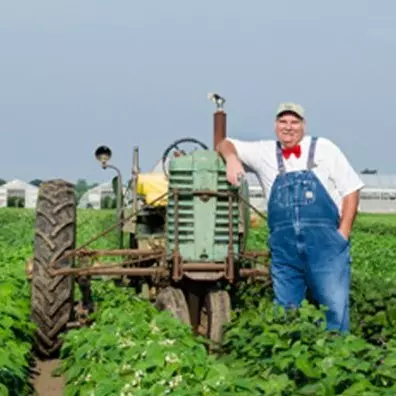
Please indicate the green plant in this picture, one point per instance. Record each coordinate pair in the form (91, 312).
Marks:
(291, 352)
(266, 350)
(134, 349)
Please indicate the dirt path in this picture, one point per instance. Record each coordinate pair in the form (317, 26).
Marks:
(45, 384)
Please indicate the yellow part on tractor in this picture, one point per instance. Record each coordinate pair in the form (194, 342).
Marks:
(152, 186)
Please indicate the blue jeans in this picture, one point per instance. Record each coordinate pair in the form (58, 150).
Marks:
(320, 261)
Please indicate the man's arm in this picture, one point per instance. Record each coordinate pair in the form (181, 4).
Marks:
(226, 149)
(234, 165)
(348, 184)
(350, 205)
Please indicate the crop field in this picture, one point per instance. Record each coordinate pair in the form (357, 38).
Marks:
(131, 349)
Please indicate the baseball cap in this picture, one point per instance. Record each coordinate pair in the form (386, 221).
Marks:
(290, 107)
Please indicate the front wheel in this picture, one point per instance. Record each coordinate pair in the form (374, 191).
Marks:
(215, 314)
(172, 299)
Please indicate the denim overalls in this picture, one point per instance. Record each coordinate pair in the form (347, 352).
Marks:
(306, 247)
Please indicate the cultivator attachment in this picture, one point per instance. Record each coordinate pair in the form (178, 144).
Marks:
(169, 266)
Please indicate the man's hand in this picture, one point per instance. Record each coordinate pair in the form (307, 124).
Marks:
(234, 170)
(344, 232)
(349, 210)
(233, 164)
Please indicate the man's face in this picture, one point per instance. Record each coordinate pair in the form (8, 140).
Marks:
(289, 129)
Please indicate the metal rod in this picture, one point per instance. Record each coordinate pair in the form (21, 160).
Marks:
(103, 233)
(252, 207)
(118, 252)
(252, 254)
(214, 193)
(177, 272)
(203, 267)
(157, 271)
(137, 260)
(119, 203)
(245, 272)
(134, 182)
(73, 325)
(230, 259)
(110, 271)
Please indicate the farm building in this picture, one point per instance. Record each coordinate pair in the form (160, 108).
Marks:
(17, 193)
(99, 197)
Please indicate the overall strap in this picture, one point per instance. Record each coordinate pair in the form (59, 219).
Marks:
(311, 153)
(279, 157)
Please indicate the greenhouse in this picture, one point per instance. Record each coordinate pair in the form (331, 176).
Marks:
(99, 197)
(17, 193)
(378, 194)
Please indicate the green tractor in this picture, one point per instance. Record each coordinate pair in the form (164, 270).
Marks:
(186, 230)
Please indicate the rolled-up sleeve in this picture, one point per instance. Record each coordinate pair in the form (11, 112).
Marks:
(344, 176)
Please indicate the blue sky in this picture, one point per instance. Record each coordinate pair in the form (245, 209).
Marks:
(77, 74)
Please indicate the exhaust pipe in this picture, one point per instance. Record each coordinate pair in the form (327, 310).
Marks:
(219, 119)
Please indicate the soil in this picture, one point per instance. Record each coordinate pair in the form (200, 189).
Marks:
(44, 381)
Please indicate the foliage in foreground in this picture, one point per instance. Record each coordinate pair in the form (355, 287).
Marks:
(16, 330)
(292, 353)
(263, 353)
(132, 349)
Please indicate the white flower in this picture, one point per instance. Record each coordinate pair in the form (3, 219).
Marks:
(139, 374)
(126, 387)
(175, 381)
(171, 358)
(154, 327)
(127, 343)
(167, 342)
(125, 367)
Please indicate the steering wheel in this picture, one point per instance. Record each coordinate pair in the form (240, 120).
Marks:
(179, 152)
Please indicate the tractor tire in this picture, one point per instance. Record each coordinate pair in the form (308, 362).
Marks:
(216, 312)
(172, 299)
(55, 232)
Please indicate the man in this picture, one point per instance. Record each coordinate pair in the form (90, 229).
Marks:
(313, 196)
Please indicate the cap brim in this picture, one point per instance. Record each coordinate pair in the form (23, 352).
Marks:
(281, 113)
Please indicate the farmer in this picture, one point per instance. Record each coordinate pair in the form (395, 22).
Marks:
(313, 196)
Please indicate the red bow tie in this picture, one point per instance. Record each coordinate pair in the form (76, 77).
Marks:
(287, 152)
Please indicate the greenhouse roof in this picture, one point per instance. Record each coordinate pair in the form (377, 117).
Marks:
(378, 181)
(17, 184)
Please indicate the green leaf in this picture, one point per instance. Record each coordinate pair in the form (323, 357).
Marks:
(304, 365)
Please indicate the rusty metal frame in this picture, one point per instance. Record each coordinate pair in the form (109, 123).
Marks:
(225, 269)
